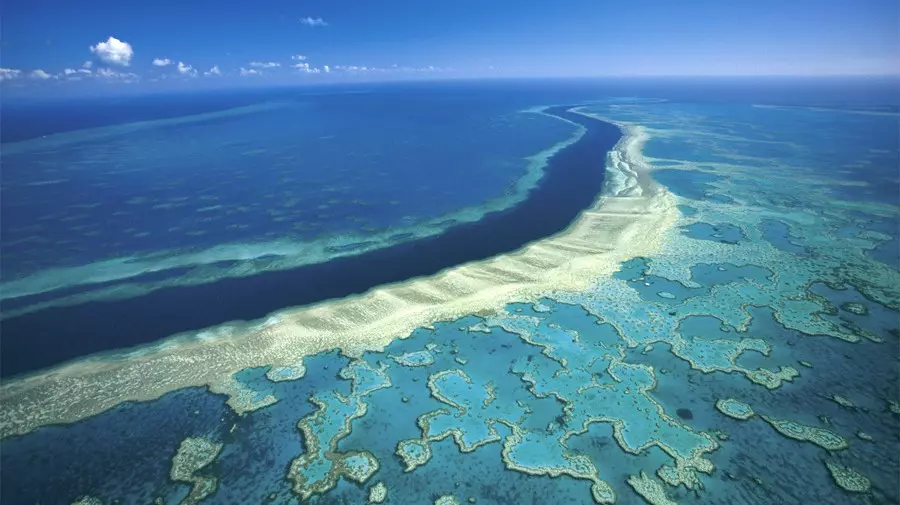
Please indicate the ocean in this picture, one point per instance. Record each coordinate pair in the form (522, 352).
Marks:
(496, 292)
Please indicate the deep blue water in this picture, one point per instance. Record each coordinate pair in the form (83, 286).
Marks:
(434, 113)
(288, 168)
(573, 180)
(32, 118)
(124, 454)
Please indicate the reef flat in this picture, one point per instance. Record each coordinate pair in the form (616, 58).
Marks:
(735, 408)
(193, 455)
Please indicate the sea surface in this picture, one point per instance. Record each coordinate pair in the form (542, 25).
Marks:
(752, 358)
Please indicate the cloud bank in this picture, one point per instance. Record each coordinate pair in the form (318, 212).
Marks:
(9, 73)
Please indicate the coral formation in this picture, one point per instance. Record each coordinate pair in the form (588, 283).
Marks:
(195, 454)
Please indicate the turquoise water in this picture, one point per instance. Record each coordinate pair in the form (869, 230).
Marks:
(775, 287)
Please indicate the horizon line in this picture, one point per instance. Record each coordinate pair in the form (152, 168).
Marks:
(128, 90)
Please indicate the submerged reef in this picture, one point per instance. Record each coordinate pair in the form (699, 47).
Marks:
(843, 402)
(286, 373)
(848, 478)
(773, 380)
(88, 500)
(582, 371)
(378, 493)
(194, 455)
(419, 358)
(636, 328)
(649, 489)
(735, 408)
(823, 438)
(320, 466)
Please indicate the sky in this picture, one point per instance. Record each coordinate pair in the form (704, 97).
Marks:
(57, 46)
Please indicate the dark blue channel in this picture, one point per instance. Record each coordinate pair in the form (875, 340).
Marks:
(574, 178)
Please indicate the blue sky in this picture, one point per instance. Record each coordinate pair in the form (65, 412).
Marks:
(281, 42)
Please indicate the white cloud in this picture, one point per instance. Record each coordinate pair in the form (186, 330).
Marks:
(264, 64)
(162, 62)
(114, 52)
(9, 73)
(304, 67)
(185, 69)
(87, 64)
(213, 71)
(313, 21)
(429, 68)
(39, 74)
(392, 68)
(112, 74)
(76, 74)
(327, 69)
(298, 57)
(250, 71)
